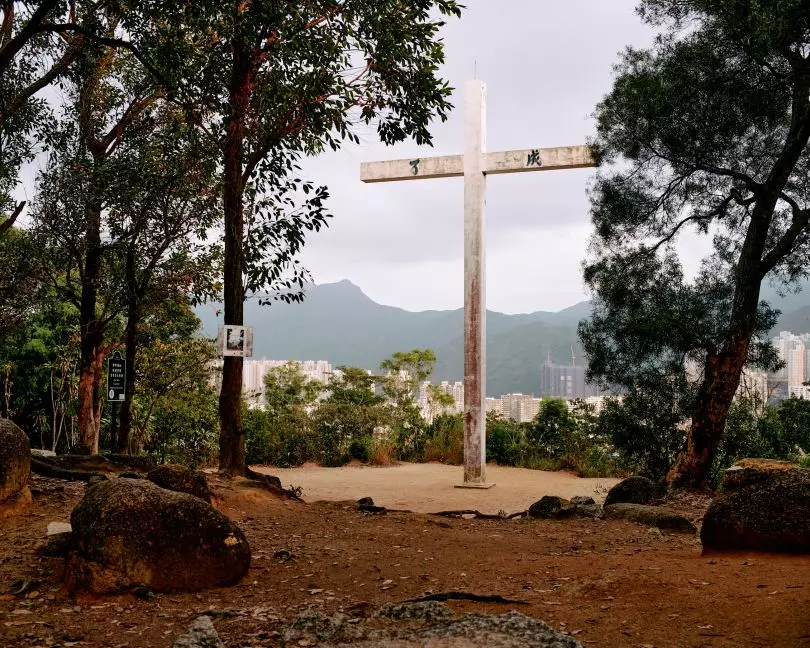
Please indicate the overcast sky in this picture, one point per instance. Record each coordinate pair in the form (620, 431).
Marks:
(546, 66)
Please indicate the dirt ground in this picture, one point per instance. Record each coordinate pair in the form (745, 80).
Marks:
(611, 583)
(430, 488)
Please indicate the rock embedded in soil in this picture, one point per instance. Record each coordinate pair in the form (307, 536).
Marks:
(200, 634)
(654, 516)
(417, 625)
(633, 490)
(130, 533)
(175, 477)
(15, 468)
(771, 513)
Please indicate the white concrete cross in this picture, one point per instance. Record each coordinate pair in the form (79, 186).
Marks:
(475, 165)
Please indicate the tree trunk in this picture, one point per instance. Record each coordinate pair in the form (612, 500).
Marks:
(91, 332)
(232, 433)
(720, 382)
(723, 369)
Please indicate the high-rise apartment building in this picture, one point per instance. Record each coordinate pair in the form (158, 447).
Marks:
(565, 381)
(792, 351)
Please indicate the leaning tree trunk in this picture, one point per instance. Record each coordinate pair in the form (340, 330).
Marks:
(232, 433)
(721, 379)
(724, 368)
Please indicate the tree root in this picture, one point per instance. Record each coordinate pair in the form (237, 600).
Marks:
(477, 514)
(272, 484)
(47, 469)
(467, 596)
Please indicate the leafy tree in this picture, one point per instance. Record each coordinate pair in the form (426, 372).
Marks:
(404, 372)
(168, 370)
(279, 80)
(506, 440)
(708, 130)
(164, 200)
(109, 103)
(38, 369)
(445, 439)
(552, 430)
(646, 427)
(19, 288)
(348, 418)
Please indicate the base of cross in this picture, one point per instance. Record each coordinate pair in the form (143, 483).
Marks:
(474, 485)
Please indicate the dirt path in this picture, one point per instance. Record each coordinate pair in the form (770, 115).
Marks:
(429, 488)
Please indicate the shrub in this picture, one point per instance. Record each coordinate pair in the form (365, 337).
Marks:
(445, 440)
(384, 453)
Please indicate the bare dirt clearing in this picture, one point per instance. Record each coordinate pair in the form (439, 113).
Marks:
(613, 583)
(430, 488)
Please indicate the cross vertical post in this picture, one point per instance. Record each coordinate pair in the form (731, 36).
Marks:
(475, 165)
(475, 311)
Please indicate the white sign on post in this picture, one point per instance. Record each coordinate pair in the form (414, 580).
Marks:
(235, 341)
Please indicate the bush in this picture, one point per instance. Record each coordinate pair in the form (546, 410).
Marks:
(646, 432)
(384, 453)
(445, 440)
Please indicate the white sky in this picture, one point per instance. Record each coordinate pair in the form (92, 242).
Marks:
(546, 66)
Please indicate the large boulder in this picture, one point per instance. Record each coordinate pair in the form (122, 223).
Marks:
(130, 533)
(633, 490)
(654, 516)
(15, 467)
(175, 477)
(770, 513)
(751, 471)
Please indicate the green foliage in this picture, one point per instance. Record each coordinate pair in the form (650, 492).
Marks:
(552, 430)
(646, 428)
(185, 427)
(445, 440)
(506, 441)
(778, 432)
(706, 131)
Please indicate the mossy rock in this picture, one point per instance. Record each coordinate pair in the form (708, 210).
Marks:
(633, 490)
(130, 533)
(654, 516)
(770, 514)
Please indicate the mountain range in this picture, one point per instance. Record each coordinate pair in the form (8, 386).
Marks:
(339, 323)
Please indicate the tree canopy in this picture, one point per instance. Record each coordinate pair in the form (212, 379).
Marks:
(706, 131)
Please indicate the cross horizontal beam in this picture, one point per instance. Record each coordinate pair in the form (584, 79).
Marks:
(451, 166)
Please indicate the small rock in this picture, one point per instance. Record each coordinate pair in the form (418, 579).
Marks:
(582, 500)
(633, 490)
(200, 634)
(55, 528)
(38, 452)
(365, 501)
(552, 507)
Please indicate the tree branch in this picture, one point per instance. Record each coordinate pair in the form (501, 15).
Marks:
(800, 222)
(115, 43)
(33, 26)
(9, 222)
